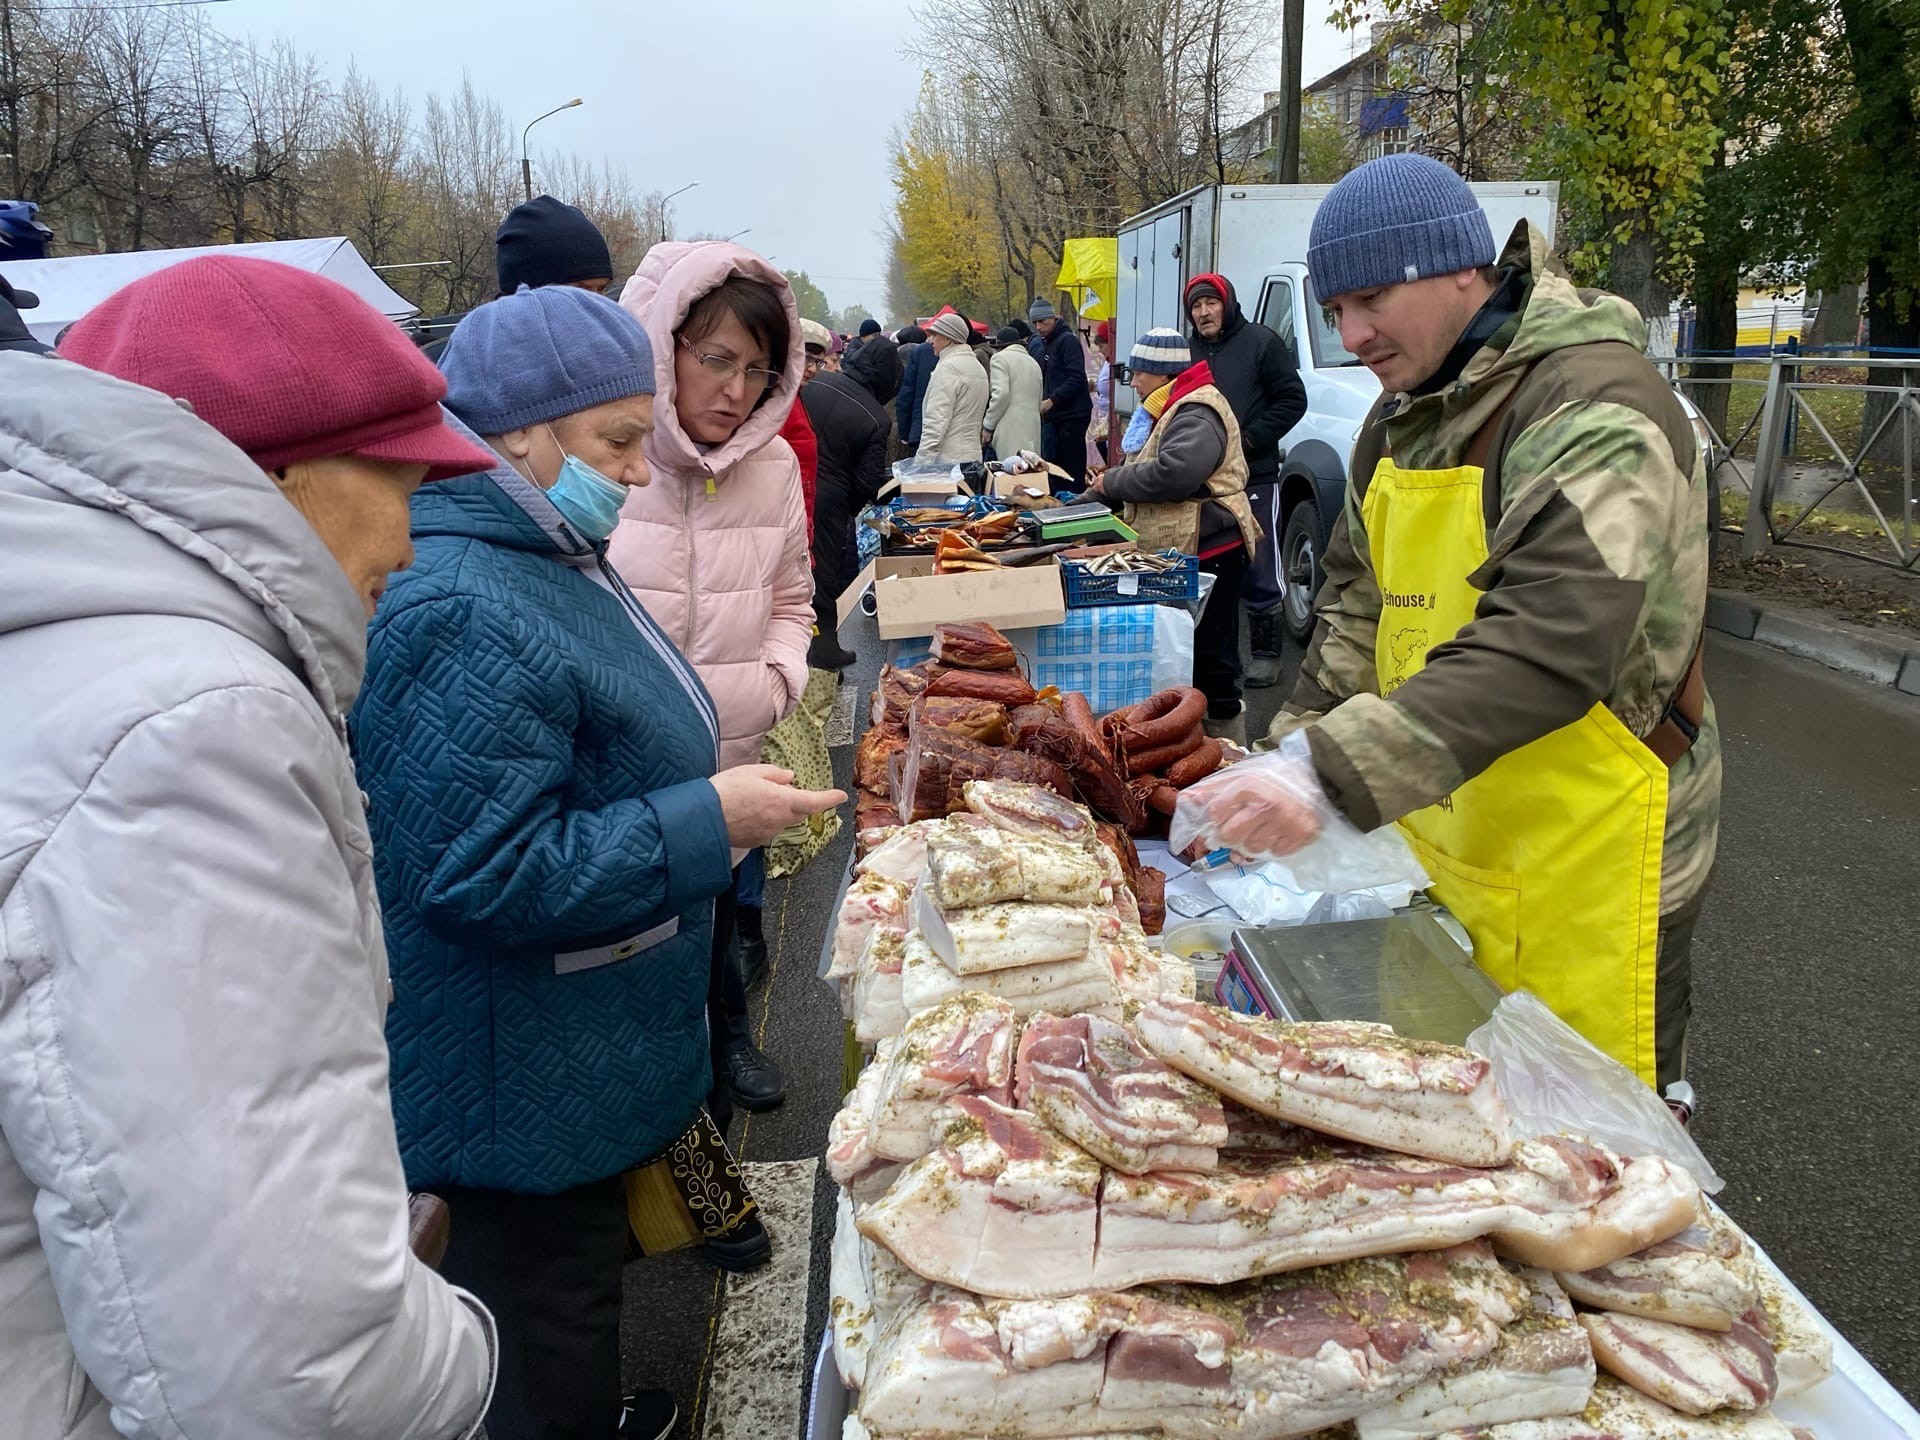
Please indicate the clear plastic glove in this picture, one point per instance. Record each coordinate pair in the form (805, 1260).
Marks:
(1271, 815)
(1265, 808)
(759, 801)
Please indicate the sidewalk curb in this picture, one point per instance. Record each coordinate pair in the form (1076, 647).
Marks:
(1833, 643)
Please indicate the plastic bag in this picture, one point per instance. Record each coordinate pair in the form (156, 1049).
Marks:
(1553, 1079)
(1276, 797)
(1269, 895)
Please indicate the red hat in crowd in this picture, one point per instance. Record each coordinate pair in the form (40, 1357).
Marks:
(1207, 283)
(286, 364)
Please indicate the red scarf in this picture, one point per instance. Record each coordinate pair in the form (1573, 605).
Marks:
(1190, 380)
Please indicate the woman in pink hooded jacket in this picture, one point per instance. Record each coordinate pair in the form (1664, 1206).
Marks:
(716, 547)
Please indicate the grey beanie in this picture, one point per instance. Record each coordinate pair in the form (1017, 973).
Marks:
(1041, 309)
(1395, 219)
(539, 354)
(1160, 352)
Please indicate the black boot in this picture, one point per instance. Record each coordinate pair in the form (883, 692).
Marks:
(1264, 633)
(753, 1080)
(753, 945)
(746, 1246)
(825, 653)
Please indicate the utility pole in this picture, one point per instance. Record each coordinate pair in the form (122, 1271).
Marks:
(1286, 144)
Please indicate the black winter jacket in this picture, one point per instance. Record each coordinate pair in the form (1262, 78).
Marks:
(848, 412)
(916, 366)
(1064, 378)
(1255, 373)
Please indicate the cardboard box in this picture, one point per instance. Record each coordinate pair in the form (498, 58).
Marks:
(931, 488)
(909, 599)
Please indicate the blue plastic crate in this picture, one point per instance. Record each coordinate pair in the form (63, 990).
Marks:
(1178, 586)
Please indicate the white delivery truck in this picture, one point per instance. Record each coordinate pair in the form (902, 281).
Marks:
(1256, 236)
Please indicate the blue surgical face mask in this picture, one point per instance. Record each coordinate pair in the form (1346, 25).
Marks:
(590, 501)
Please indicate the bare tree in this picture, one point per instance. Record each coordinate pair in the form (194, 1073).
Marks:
(368, 196)
(632, 223)
(137, 78)
(48, 112)
(465, 173)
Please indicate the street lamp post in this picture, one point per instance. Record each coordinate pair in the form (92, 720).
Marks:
(526, 165)
(667, 200)
(738, 233)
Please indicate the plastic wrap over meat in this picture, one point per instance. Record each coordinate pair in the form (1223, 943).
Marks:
(973, 645)
(962, 715)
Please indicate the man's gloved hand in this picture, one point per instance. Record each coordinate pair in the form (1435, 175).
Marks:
(1264, 808)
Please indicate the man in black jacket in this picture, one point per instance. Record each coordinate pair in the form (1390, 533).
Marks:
(1254, 371)
(1066, 402)
(848, 411)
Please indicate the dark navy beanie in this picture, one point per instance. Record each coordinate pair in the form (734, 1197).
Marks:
(536, 355)
(1395, 219)
(548, 242)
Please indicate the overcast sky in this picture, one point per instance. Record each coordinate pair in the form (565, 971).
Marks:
(780, 110)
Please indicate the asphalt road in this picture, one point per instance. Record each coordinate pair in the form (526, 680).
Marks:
(1803, 1049)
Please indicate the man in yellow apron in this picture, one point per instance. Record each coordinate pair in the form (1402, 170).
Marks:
(1507, 655)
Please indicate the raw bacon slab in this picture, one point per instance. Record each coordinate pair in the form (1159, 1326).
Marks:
(879, 998)
(1007, 935)
(1619, 1412)
(1542, 1367)
(1802, 1351)
(871, 900)
(983, 865)
(1029, 810)
(851, 1159)
(1002, 1207)
(1703, 1277)
(1694, 1371)
(963, 1046)
(901, 854)
(1258, 1216)
(1360, 1081)
(1094, 1083)
(850, 1308)
(1275, 1359)
(1061, 986)
(1143, 974)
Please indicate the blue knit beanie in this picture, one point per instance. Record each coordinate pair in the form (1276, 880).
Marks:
(1398, 218)
(536, 355)
(1160, 352)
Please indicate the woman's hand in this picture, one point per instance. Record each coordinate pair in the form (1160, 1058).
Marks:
(759, 801)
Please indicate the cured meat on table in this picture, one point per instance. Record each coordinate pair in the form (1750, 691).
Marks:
(976, 865)
(1084, 983)
(1252, 1217)
(982, 720)
(1704, 1277)
(1619, 1412)
(973, 645)
(851, 1160)
(1273, 1359)
(1694, 1371)
(964, 1046)
(1002, 1206)
(1004, 936)
(1360, 1081)
(1094, 1083)
(871, 900)
(879, 996)
(1542, 1367)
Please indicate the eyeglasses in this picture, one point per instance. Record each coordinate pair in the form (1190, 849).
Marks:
(723, 370)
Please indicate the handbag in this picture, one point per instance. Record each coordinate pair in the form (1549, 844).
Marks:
(799, 743)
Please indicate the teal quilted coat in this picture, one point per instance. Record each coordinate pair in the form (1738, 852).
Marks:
(547, 846)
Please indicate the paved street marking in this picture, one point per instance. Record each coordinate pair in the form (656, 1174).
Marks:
(840, 723)
(758, 1360)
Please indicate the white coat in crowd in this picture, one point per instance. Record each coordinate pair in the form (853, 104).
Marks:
(1013, 401)
(203, 1228)
(955, 410)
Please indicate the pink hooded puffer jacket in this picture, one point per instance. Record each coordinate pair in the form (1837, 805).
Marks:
(716, 545)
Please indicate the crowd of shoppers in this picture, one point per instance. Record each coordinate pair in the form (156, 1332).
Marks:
(411, 719)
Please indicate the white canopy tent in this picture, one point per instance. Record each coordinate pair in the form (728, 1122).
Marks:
(71, 286)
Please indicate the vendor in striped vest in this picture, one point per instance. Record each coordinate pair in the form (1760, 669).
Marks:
(1186, 489)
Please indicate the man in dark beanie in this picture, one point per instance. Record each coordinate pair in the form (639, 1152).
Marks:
(549, 242)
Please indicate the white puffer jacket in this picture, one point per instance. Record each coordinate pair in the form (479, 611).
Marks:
(202, 1211)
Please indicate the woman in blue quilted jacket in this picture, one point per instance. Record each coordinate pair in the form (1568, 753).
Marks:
(550, 836)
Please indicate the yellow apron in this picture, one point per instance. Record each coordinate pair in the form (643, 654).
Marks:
(1551, 857)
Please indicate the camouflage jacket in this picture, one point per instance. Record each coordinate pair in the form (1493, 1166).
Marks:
(1594, 589)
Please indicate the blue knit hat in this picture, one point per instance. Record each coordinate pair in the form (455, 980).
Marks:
(1398, 218)
(1160, 352)
(536, 355)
